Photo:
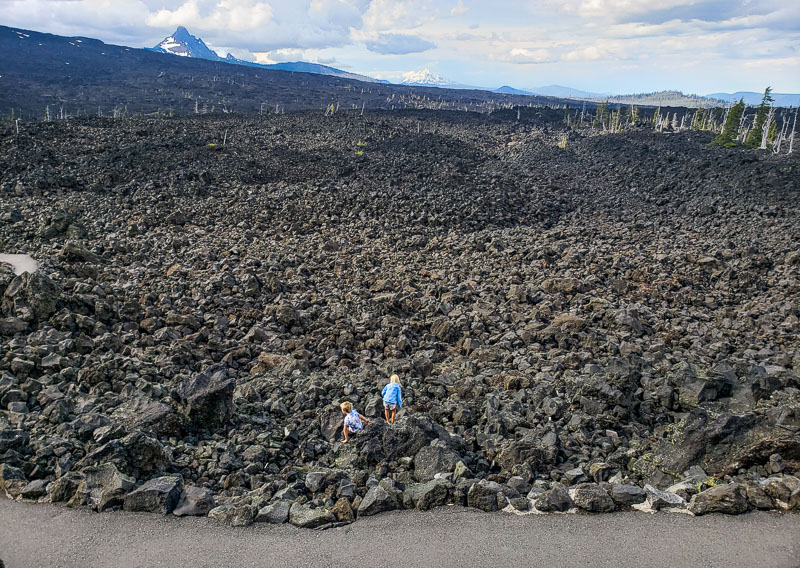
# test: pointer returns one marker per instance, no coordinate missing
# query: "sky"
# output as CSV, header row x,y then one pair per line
x,y
608,46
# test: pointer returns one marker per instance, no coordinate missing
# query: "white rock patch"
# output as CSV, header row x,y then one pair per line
x,y
20,263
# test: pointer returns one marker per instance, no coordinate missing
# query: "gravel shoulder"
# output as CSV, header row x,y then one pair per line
x,y
38,535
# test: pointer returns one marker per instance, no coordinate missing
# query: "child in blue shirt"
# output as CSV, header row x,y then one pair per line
x,y
392,398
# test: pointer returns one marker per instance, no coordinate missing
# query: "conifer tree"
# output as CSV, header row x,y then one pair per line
x,y
754,136
731,129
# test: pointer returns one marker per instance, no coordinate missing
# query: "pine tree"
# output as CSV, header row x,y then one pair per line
x,y
754,136
731,129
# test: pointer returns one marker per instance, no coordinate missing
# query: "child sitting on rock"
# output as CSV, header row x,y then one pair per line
x,y
352,420
392,398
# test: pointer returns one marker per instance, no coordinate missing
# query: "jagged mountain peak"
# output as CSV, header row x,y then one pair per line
x,y
183,43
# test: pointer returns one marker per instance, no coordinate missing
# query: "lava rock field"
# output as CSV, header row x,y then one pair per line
x,y
578,327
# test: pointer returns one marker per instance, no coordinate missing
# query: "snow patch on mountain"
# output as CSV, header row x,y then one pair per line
x,y
425,78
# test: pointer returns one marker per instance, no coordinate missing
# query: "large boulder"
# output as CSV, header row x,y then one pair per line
x,y
31,296
757,497
484,495
627,495
434,459
12,480
233,515
343,511
150,416
103,487
275,513
63,488
303,516
556,499
593,498
381,443
720,443
730,499
330,423
194,501
425,496
206,400
657,499
159,495
136,454
377,500
35,489
12,326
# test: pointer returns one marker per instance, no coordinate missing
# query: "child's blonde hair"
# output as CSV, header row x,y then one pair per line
x,y
347,407
394,379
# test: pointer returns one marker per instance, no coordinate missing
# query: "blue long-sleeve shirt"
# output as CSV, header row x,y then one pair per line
x,y
393,394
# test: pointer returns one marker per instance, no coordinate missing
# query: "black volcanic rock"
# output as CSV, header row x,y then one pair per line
x,y
621,311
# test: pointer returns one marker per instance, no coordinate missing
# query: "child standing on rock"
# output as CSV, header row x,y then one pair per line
x,y
392,398
352,420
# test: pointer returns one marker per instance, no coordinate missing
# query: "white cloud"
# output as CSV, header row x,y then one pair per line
x,y
385,15
525,56
618,8
459,9
234,15
398,44
589,53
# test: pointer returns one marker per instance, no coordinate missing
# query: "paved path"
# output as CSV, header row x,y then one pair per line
x,y
45,535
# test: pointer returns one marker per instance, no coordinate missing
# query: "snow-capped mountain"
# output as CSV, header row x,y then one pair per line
x,y
425,78
186,45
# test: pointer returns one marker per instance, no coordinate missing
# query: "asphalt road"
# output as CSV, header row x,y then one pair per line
x,y
34,535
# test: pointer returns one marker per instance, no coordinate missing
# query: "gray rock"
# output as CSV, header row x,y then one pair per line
x,y
730,499
483,495
377,500
556,499
206,400
461,471
757,498
303,516
627,495
519,485
775,464
63,488
428,495
275,513
136,454
315,481
103,487
434,459
593,498
31,297
346,489
575,475
12,326
194,501
159,495
233,515
657,499
684,489
35,489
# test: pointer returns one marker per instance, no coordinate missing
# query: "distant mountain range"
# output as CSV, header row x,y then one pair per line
x,y
752,98
184,44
